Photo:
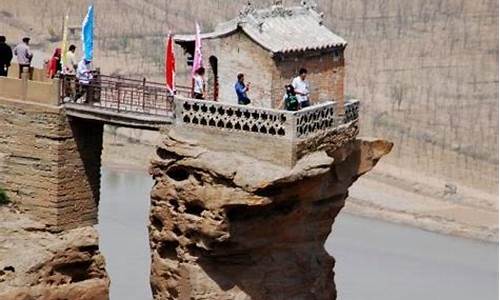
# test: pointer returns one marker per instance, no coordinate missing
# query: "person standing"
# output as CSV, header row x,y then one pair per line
x,y
69,67
242,89
199,84
23,54
301,87
291,103
84,76
5,56
70,63
54,64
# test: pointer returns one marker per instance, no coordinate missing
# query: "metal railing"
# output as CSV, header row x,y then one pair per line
x,y
120,94
127,95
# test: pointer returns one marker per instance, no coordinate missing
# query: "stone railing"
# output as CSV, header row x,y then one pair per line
x,y
316,118
233,117
42,92
263,121
351,110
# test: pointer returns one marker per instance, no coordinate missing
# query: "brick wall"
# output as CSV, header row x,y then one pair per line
x,y
325,75
268,76
50,164
237,53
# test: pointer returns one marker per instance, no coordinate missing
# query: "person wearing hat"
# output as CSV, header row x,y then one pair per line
x,y
5,56
84,76
23,54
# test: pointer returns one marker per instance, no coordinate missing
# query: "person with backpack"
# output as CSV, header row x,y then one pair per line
x,y
291,103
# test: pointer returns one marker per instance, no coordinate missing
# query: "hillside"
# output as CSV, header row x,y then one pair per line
x,y
426,71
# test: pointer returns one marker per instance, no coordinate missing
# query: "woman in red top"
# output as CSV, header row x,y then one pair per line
x,y
54,64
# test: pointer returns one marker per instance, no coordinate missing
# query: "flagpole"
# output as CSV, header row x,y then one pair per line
x,y
64,44
197,58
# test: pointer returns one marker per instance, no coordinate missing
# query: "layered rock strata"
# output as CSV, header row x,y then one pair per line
x,y
228,226
36,264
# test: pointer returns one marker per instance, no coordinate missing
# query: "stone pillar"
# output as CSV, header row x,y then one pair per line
x,y
338,87
228,226
24,77
51,164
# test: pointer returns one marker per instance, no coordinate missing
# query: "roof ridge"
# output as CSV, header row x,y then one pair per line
x,y
275,30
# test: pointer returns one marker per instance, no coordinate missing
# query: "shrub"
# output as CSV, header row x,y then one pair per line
x,y
3,197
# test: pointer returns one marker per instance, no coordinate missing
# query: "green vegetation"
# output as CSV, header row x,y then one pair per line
x,y
3,197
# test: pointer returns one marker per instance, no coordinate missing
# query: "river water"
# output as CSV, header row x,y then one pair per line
x,y
375,260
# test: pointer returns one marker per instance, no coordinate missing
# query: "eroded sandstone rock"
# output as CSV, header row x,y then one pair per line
x,y
228,226
38,264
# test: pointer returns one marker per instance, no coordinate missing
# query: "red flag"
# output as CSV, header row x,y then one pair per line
x,y
170,64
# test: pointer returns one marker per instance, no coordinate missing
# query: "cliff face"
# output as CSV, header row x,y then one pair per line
x,y
227,226
42,265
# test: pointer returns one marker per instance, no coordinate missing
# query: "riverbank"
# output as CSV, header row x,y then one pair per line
x,y
387,193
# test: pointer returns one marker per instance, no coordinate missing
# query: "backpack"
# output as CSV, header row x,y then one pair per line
x,y
292,103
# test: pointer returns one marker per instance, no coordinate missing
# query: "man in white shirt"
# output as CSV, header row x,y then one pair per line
x,y
70,63
199,84
301,87
84,76
23,54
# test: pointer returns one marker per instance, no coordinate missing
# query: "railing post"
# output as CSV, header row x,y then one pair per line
x,y
97,91
118,94
62,91
143,94
177,110
56,90
24,78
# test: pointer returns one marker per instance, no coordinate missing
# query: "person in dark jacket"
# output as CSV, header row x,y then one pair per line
x,y
5,56
290,99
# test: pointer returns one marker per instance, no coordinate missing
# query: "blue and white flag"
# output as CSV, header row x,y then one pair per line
x,y
88,35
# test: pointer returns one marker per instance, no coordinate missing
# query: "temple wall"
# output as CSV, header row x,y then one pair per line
x,y
325,76
238,54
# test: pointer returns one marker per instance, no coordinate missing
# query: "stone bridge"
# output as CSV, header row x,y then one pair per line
x,y
50,147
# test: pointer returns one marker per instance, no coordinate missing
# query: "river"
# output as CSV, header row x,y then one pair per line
x,y
375,260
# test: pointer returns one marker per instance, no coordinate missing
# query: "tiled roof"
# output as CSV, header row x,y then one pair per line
x,y
279,29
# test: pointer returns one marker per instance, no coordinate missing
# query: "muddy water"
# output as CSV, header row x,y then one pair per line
x,y
123,216
375,260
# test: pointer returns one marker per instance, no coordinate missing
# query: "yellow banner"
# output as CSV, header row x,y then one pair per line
x,y
64,45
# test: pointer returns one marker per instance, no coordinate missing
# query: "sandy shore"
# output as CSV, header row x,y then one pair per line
x,y
387,193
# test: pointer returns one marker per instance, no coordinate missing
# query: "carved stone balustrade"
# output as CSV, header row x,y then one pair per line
x,y
279,136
